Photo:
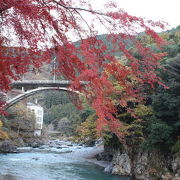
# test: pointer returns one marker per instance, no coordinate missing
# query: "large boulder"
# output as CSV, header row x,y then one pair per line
x,y
104,156
122,164
7,146
89,142
36,142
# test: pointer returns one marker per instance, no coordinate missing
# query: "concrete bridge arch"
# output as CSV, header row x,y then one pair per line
x,y
31,92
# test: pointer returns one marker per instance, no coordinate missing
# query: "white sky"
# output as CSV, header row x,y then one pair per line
x,y
151,9
166,10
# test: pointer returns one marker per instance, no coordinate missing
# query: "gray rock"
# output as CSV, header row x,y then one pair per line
x,y
122,165
9,177
104,156
176,164
36,143
146,166
99,142
20,142
89,143
7,146
140,166
59,147
109,169
140,169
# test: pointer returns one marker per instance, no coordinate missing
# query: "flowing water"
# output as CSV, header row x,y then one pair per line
x,y
51,164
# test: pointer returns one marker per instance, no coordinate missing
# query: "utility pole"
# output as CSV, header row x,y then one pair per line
x,y
54,69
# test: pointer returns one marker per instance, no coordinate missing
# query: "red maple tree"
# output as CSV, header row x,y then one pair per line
x,y
35,26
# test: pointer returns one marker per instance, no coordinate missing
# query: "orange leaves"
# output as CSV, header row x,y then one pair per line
x,y
123,103
15,61
160,41
3,134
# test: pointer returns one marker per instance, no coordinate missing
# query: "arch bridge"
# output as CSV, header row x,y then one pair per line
x,y
31,87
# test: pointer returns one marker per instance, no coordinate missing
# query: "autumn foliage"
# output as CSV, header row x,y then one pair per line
x,y
40,25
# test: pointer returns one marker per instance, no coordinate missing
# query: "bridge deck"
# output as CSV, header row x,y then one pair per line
x,y
32,84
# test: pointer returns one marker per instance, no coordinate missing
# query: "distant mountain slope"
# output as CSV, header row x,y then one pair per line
x,y
173,36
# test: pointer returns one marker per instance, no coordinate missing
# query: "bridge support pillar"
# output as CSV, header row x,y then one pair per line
x,y
23,90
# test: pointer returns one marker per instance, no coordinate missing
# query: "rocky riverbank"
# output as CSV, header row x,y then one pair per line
x,y
63,147
89,153
11,146
7,146
49,163
145,165
142,165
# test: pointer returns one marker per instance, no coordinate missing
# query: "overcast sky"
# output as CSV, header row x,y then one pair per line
x,y
167,10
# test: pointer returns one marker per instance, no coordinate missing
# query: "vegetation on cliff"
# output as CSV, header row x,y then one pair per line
x,y
155,124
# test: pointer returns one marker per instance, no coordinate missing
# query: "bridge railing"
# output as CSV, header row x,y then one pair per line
x,y
46,82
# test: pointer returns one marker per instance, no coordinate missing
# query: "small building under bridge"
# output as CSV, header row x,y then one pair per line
x,y
39,112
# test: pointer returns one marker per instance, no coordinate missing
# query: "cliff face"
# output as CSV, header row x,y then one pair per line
x,y
146,166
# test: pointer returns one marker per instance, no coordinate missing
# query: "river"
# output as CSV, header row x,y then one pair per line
x,y
50,163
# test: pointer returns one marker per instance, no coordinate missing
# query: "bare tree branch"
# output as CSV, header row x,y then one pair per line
x,y
79,9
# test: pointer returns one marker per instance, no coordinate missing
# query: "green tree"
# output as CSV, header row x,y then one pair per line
x,y
164,126
21,119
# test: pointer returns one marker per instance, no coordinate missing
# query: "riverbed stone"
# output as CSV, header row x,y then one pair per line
x,y
7,146
24,149
89,142
36,143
